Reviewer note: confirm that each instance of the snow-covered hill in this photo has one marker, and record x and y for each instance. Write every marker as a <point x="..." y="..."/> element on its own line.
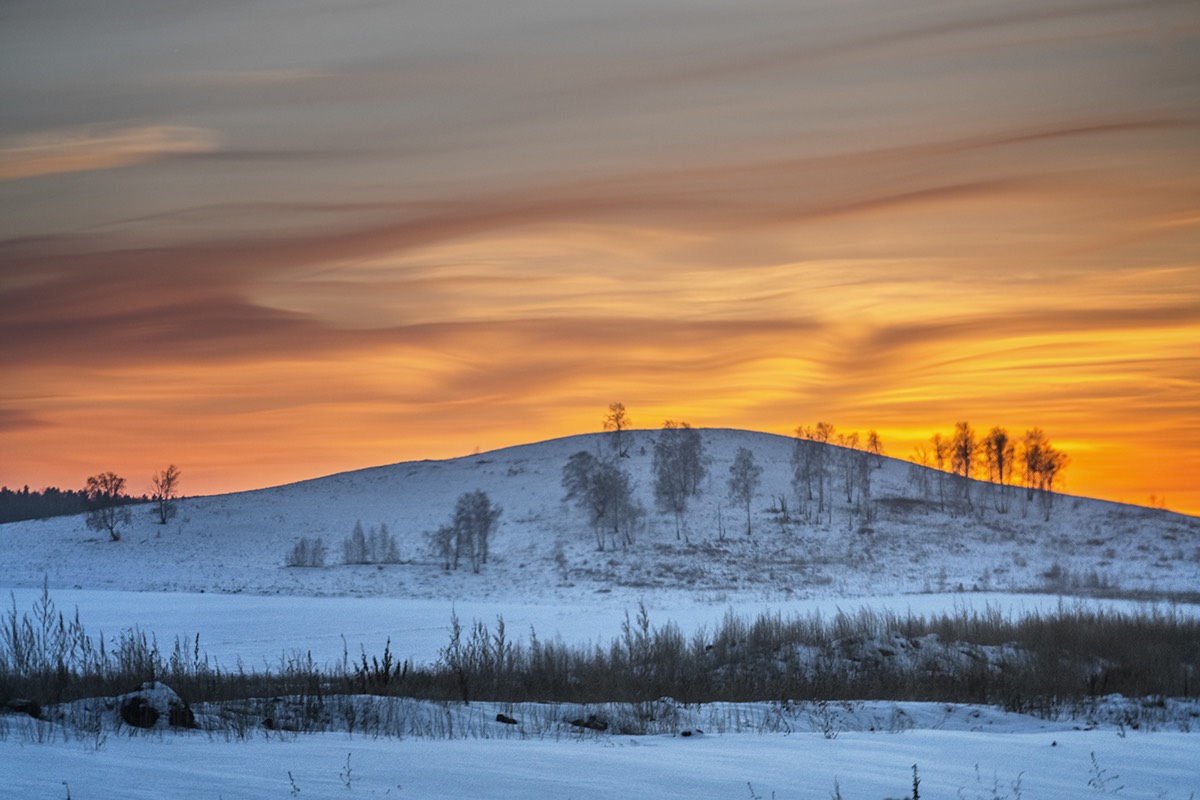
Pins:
<point x="545" y="547"/>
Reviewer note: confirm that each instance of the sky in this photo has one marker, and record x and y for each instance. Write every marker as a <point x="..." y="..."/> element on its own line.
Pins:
<point x="269" y="240"/>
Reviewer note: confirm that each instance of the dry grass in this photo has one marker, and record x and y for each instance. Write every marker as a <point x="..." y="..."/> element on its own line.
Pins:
<point x="1034" y="663"/>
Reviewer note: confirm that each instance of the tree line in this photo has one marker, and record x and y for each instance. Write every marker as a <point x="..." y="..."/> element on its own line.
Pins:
<point x="604" y="491"/>
<point x="827" y="466"/>
<point x="25" y="504"/>
<point x="1004" y="462"/>
<point x="103" y="498"/>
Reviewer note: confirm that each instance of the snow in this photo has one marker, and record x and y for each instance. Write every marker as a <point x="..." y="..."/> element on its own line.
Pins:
<point x="217" y="571"/>
<point x="862" y="765"/>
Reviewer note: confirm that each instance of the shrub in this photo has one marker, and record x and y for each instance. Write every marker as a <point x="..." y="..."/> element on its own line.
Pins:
<point x="307" y="554"/>
<point x="377" y="547"/>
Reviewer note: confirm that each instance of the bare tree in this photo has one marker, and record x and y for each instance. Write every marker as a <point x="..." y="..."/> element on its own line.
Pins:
<point x="354" y="546"/>
<point x="847" y="456"/>
<point x="441" y="542"/>
<point x="376" y="547"/>
<point x="920" y="471"/>
<point x="307" y="554"/>
<point x="164" y="488"/>
<point x="604" y="492"/>
<point x="475" y="518"/>
<point x="963" y="452"/>
<point x="105" y="493"/>
<point x="941" y="453"/>
<point x="998" y="457"/>
<point x="811" y="464"/>
<point x="679" y="467"/>
<point x="874" y="446"/>
<point x="744" y="477"/>
<point x="1042" y="465"/>
<point x="617" y="420"/>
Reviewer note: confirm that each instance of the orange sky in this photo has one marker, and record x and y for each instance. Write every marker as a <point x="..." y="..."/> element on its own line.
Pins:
<point x="285" y="239"/>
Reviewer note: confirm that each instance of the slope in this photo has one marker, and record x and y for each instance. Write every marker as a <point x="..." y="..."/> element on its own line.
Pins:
<point x="903" y="540"/>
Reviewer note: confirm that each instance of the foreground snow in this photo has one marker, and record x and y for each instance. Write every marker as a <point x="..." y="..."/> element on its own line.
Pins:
<point x="951" y="764"/>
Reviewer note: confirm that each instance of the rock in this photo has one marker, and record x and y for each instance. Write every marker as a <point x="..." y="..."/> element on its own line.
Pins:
<point x="18" y="706"/>
<point x="154" y="705"/>
<point x="591" y="723"/>
<point x="507" y="720"/>
<point x="137" y="711"/>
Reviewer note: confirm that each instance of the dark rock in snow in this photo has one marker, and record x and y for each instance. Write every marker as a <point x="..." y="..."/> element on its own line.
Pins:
<point x="507" y="720"/>
<point x="138" y="712"/>
<point x="18" y="706"/>
<point x="153" y="704"/>
<point x="591" y="723"/>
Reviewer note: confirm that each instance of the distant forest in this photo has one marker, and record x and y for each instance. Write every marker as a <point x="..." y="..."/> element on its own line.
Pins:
<point x="50" y="502"/>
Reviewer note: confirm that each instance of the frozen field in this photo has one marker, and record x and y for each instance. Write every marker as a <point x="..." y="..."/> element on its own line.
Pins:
<point x="951" y="764"/>
<point x="1000" y="756"/>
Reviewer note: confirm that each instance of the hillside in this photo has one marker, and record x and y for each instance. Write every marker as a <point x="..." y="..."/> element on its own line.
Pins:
<point x="545" y="547"/>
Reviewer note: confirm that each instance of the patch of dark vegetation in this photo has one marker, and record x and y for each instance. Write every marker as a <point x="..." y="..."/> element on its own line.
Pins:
<point x="1034" y="664"/>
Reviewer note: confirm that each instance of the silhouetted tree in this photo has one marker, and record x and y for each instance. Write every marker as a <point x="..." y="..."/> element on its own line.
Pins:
<point x="848" y="444"/>
<point x="998" y="457"/>
<point x="104" y="493"/>
<point x="164" y="490"/>
<point x="963" y="452"/>
<point x="874" y="446"/>
<point x="679" y="467"/>
<point x="1042" y="466"/>
<point x="811" y="464"/>
<point x="617" y="420"/>
<point x="744" y="476"/>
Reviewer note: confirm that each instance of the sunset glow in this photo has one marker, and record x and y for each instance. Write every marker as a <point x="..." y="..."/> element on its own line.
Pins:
<point x="273" y="241"/>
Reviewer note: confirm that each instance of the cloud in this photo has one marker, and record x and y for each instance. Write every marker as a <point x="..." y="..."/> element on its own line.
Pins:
<point x="96" y="147"/>
<point x="13" y="420"/>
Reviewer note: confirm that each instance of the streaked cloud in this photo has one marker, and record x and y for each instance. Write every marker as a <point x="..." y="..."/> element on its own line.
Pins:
<point x="96" y="147"/>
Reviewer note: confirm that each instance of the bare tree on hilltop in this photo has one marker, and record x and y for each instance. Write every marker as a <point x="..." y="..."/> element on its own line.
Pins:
<point x="999" y="454"/>
<point x="105" y="492"/>
<point x="1043" y="464"/>
<point x="617" y="420"/>
<point x="963" y="453"/>
<point x="164" y="489"/>
<point x="810" y="465"/>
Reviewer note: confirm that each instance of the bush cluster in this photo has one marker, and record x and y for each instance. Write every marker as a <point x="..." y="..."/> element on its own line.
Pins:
<point x="307" y="553"/>
<point x="376" y="547"/>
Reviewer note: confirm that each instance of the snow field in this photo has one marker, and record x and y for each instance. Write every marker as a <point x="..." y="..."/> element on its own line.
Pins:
<point x="951" y="764"/>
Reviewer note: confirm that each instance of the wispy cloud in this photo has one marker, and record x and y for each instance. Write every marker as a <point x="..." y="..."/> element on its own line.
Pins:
<point x="95" y="147"/>
<point x="422" y="229"/>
